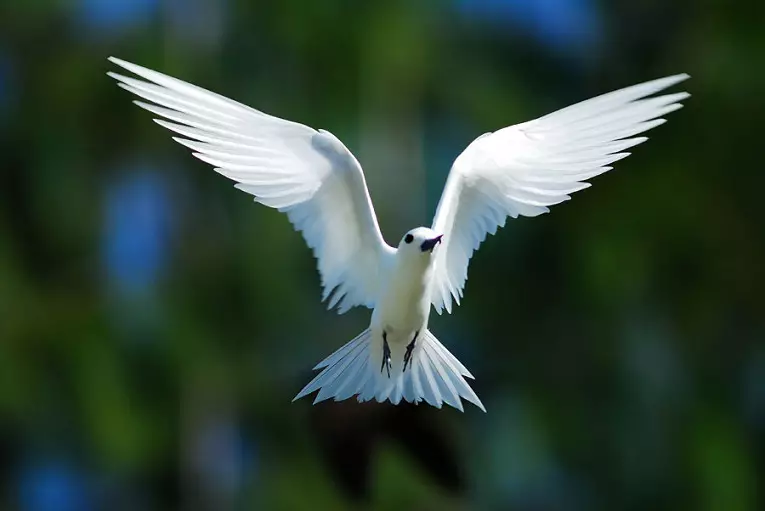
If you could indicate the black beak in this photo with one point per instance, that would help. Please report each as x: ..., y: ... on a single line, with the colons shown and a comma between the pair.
x: 429, y: 245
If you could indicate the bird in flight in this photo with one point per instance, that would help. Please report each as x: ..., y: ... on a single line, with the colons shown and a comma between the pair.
x: 316, y: 181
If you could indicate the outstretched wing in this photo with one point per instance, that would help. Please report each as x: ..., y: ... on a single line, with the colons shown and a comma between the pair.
x: 523, y: 169
x: 307, y: 174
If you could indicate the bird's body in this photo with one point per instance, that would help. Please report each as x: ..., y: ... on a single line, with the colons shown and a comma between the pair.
x: 403, y: 306
x: 318, y: 183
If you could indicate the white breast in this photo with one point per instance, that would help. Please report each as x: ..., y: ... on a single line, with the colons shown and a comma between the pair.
x: 404, y: 305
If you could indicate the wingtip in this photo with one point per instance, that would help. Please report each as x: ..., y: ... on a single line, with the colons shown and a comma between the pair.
x: 675, y: 79
x: 652, y: 86
x: 115, y: 60
x: 121, y: 79
x: 301, y: 394
x: 680, y: 77
x: 133, y: 68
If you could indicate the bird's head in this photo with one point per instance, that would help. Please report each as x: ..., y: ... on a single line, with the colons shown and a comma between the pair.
x: 419, y: 242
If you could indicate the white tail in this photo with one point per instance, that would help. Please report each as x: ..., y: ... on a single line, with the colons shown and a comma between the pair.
x: 435, y: 375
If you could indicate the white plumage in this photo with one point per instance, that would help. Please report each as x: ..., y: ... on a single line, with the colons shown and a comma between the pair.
x: 313, y: 178
x: 523, y: 169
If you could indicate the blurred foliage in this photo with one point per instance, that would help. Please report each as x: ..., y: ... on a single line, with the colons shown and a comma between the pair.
x: 155, y: 324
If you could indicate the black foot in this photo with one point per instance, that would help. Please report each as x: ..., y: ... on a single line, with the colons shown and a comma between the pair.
x: 386, y: 355
x: 409, y: 349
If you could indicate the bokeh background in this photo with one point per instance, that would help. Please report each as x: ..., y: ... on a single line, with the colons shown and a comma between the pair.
x: 155, y: 323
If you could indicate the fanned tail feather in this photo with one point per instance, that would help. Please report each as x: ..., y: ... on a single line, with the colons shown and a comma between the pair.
x: 434, y: 376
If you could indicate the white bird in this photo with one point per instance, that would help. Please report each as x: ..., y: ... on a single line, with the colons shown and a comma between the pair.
x: 313, y: 178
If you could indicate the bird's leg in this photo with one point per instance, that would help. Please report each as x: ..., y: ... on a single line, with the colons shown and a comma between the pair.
x: 386, y: 354
x: 409, y: 349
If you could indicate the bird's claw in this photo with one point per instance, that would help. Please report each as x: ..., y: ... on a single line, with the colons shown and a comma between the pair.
x: 386, y: 355
x: 409, y: 349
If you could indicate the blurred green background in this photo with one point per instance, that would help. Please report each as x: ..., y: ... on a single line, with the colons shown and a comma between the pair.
x: 155, y: 323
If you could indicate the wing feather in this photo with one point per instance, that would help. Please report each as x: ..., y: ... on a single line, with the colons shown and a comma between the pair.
x: 307, y: 174
x: 523, y: 169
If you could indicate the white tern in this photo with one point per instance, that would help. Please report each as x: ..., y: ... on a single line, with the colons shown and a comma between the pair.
x: 313, y: 178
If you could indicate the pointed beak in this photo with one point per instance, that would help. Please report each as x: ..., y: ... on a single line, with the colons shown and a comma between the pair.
x: 429, y: 245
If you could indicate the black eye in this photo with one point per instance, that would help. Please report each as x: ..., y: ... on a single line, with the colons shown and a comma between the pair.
x: 408, y: 238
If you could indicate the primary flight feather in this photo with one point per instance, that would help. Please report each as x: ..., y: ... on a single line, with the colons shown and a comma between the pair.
x: 317, y: 182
